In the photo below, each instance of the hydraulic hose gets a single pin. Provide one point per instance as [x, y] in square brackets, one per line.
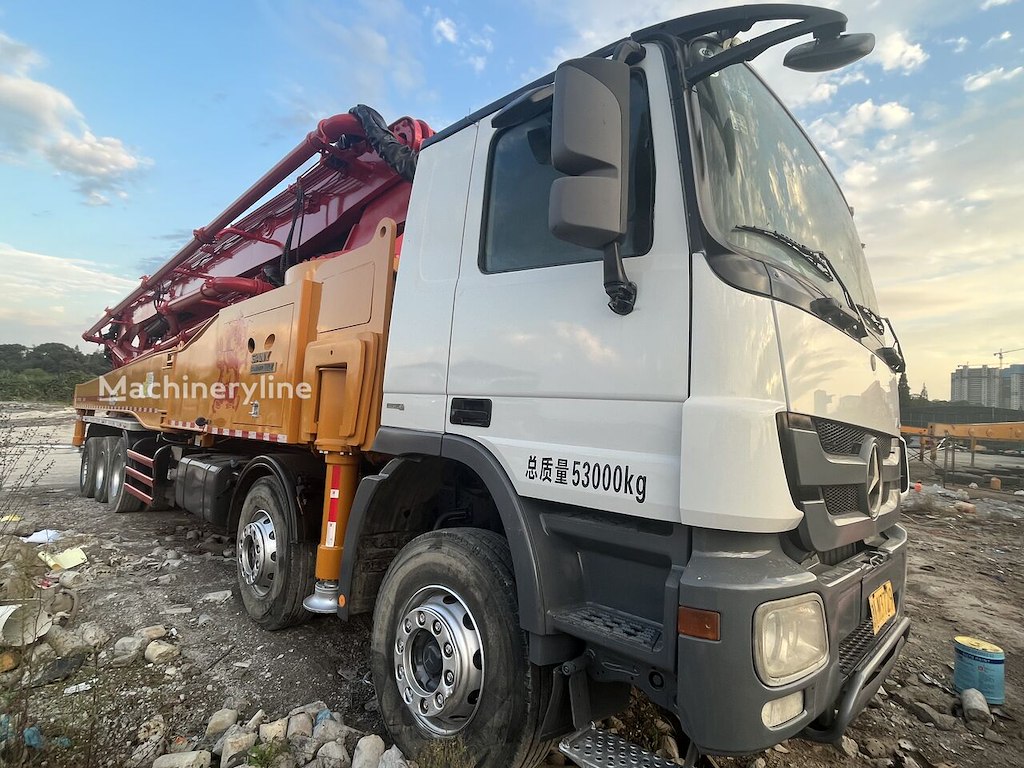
[399, 157]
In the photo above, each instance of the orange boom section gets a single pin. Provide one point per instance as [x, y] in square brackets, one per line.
[299, 364]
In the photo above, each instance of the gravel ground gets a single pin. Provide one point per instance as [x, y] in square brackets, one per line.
[164, 569]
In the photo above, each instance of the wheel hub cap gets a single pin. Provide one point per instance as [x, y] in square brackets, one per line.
[438, 660]
[257, 553]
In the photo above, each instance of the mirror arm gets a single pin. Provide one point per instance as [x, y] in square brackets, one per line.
[620, 289]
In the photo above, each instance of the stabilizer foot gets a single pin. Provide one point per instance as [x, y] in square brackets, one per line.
[324, 598]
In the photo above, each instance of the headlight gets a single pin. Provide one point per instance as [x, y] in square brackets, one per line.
[790, 639]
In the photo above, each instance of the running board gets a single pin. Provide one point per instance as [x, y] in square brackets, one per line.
[593, 748]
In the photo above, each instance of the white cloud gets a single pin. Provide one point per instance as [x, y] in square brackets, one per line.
[987, 4]
[1001, 38]
[478, 63]
[40, 121]
[822, 92]
[869, 116]
[17, 57]
[48, 298]
[445, 29]
[896, 52]
[981, 80]
[959, 43]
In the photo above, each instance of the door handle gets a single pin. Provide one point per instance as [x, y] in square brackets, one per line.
[470, 412]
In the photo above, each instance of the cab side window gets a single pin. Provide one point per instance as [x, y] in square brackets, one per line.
[515, 232]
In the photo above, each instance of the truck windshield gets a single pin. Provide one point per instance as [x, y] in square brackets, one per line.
[764, 177]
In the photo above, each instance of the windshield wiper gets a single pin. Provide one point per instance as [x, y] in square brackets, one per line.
[826, 308]
[874, 320]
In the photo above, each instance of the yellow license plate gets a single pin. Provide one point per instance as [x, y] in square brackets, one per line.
[883, 606]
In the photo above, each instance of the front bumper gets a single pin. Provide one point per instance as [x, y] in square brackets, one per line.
[720, 696]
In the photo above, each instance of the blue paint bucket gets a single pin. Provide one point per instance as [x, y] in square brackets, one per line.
[979, 664]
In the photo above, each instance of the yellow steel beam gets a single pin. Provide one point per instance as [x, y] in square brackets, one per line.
[1003, 430]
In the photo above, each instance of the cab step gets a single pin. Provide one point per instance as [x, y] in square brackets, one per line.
[593, 748]
[635, 636]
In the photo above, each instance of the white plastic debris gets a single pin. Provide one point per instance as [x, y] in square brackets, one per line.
[46, 536]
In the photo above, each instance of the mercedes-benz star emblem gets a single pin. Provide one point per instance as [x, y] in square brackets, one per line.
[874, 482]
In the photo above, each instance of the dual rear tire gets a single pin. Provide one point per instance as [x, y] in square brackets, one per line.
[102, 473]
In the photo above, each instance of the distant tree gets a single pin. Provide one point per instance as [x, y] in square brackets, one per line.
[904, 390]
[54, 357]
[12, 357]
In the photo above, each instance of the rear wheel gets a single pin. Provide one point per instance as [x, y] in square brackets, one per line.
[274, 573]
[450, 661]
[119, 498]
[87, 471]
[104, 447]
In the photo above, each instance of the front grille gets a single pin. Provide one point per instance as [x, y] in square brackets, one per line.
[840, 499]
[855, 647]
[843, 439]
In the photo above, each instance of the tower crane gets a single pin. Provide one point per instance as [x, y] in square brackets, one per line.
[1002, 352]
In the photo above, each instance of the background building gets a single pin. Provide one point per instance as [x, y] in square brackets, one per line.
[977, 386]
[1011, 388]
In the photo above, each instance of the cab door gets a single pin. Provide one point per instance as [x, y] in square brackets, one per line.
[578, 404]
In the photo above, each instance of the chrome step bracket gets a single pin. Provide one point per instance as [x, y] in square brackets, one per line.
[593, 748]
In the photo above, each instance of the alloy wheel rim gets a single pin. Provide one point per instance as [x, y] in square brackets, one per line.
[257, 553]
[438, 661]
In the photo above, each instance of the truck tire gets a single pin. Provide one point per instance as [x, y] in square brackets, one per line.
[119, 498]
[104, 445]
[274, 573]
[87, 472]
[447, 623]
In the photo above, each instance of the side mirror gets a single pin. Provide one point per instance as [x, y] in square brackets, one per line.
[589, 143]
[825, 54]
[589, 126]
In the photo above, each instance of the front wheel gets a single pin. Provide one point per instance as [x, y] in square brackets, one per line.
[450, 661]
[274, 573]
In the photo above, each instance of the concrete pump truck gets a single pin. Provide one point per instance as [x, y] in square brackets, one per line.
[589, 392]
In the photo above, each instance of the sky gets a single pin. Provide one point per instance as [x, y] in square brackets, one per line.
[124, 126]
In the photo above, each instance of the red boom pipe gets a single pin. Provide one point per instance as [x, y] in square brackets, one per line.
[327, 131]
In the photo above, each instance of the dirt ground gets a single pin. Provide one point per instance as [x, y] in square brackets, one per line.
[966, 577]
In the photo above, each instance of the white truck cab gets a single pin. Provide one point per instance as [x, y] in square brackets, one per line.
[699, 473]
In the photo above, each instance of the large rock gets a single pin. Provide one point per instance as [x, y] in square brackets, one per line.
[304, 748]
[93, 634]
[333, 755]
[927, 714]
[200, 759]
[230, 733]
[127, 650]
[67, 642]
[159, 652]
[235, 748]
[976, 709]
[300, 725]
[155, 632]
[328, 730]
[368, 752]
[220, 721]
[275, 731]
[393, 758]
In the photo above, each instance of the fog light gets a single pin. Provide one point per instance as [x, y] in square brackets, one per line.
[790, 639]
[780, 711]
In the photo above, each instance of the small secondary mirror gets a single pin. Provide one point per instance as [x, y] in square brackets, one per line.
[830, 52]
